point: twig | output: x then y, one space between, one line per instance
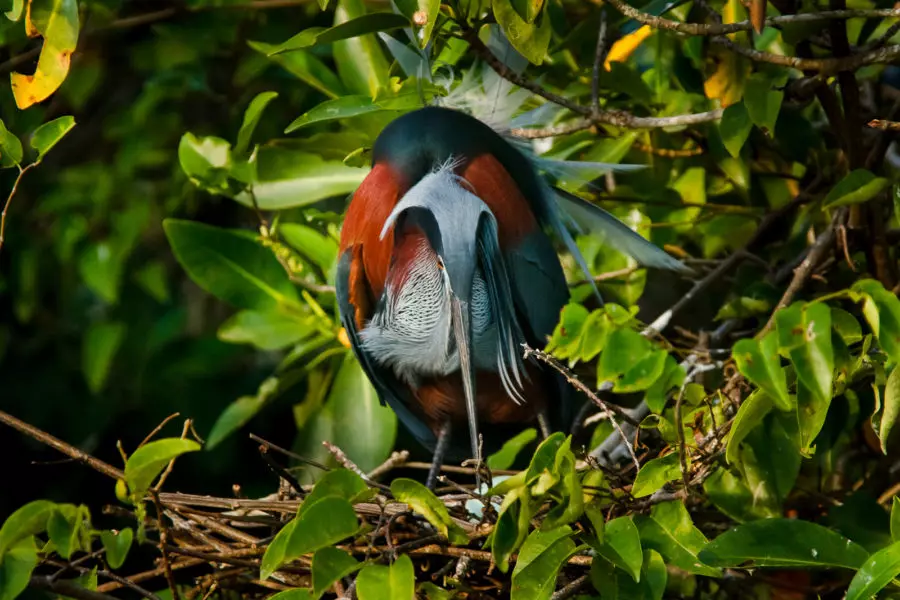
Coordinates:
344 460
171 465
61 446
15 187
553 131
158 428
599 58
884 125
802 272
105 574
67 588
726 28
163 541
280 471
289 454
617 274
571 588
572 379
395 460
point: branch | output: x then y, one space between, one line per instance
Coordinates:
67 588
726 28
58 444
15 187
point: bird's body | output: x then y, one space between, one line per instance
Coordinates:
446 269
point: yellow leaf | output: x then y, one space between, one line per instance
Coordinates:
626 46
57 22
726 84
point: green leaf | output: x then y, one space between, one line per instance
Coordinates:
231 265
882 311
293 594
368 23
506 456
615 584
206 161
16 565
528 9
305 66
353 106
360 61
342 483
49 134
804 331
422 14
855 188
352 418
751 413
236 415
423 501
544 457
763 102
758 361
15 11
634 366
537 568
267 330
531 40
117 545
622 546
875 574
10 148
290 179
324 523
655 474
330 565
25 522
66 528
735 127
397 582
895 519
251 119
99 347
513 525
320 249
276 552
149 460
783 543
891 409
670 531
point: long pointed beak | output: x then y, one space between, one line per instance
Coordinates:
461 332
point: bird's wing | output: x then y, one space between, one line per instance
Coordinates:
353 302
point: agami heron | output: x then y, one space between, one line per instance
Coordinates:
446 268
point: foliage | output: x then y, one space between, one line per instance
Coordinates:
178 247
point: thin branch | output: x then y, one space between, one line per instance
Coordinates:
727 28
61 446
15 187
67 588
577 384
608 276
552 131
884 125
599 59
801 274
572 588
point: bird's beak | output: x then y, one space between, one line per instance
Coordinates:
462 334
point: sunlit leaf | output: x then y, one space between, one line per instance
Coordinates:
100 344
758 361
320 249
423 501
804 331
506 456
304 65
890 411
670 531
10 148
654 474
368 23
117 545
360 60
49 134
251 119
267 330
57 22
763 102
540 559
531 40
330 565
27 521
423 14
855 188
876 573
149 460
622 546
16 565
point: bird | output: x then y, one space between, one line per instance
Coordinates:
446 267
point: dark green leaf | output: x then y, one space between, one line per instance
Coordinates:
537 568
117 545
506 456
27 521
360 61
895 519
670 531
857 187
49 134
762 101
251 119
231 265
368 23
396 582
783 543
330 565
735 127
655 474
423 501
149 460
882 311
306 67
